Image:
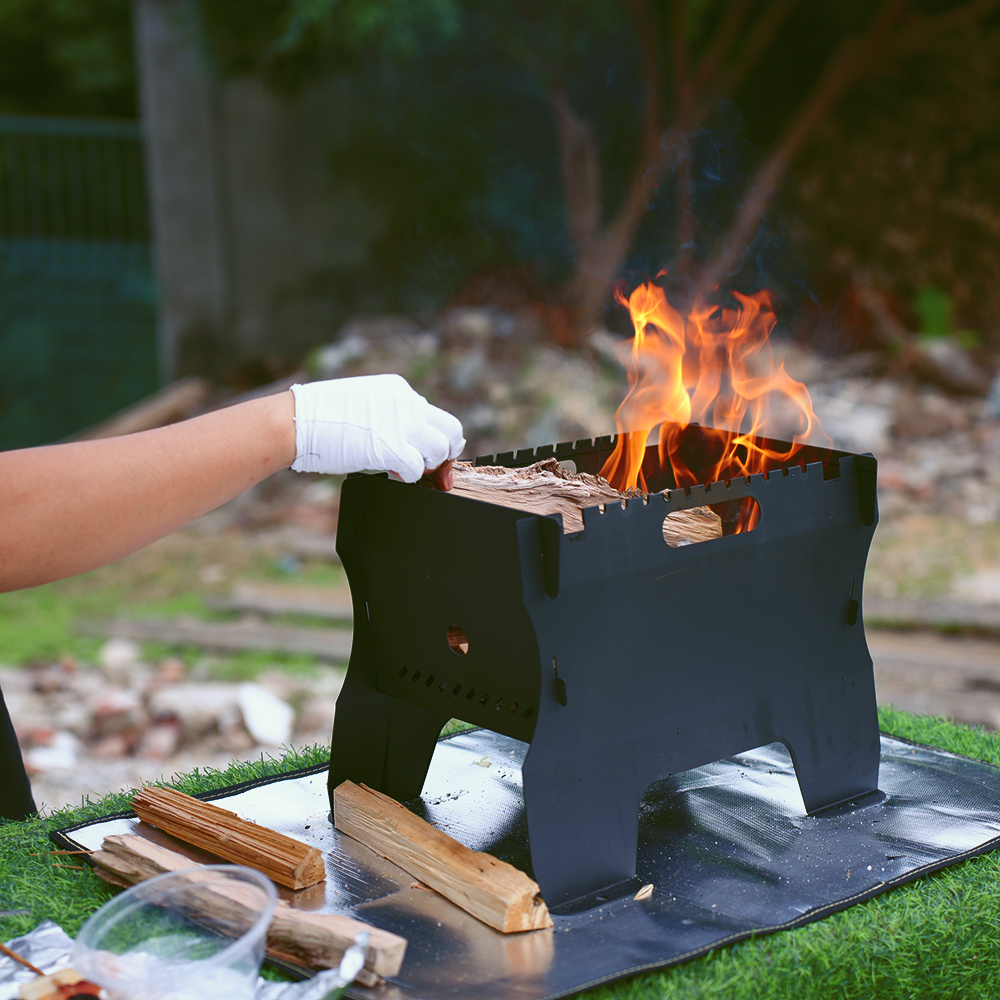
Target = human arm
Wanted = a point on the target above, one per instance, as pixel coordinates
(68, 508)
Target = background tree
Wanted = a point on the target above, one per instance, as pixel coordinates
(580, 140)
(66, 57)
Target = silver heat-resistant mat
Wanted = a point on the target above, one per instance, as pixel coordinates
(727, 847)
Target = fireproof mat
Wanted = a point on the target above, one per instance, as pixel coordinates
(727, 848)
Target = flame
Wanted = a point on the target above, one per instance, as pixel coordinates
(715, 367)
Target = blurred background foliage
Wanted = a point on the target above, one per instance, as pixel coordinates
(66, 57)
(454, 128)
(904, 183)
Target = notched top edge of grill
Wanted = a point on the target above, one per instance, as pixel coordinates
(589, 456)
(595, 451)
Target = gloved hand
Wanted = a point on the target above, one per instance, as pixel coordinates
(371, 422)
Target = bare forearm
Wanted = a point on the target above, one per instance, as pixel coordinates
(68, 508)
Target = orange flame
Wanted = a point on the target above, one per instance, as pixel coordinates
(714, 367)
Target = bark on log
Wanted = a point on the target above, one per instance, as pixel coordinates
(489, 889)
(314, 940)
(546, 488)
(282, 859)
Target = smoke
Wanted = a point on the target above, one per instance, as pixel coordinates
(722, 160)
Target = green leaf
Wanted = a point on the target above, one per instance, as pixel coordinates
(934, 308)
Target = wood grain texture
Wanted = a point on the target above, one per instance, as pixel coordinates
(547, 488)
(685, 527)
(542, 488)
(489, 889)
(315, 940)
(282, 859)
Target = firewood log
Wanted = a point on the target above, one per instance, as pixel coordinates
(282, 859)
(685, 527)
(547, 488)
(491, 890)
(316, 940)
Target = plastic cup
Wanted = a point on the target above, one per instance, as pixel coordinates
(189, 934)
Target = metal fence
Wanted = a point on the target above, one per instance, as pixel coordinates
(77, 302)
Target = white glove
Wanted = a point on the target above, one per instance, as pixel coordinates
(371, 422)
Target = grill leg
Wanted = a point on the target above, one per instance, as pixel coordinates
(842, 771)
(383, 743)
(583, 826)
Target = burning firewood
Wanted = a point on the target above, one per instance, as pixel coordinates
(685, 527)
(547, 488)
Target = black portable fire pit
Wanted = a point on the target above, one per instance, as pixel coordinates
(620, 659)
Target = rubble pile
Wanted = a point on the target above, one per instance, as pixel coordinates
(122, 721)
(497, 370)
(512, 388)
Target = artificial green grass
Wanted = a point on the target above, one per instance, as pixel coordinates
(61, 887)
(938, 937)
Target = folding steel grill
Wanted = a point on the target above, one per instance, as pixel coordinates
(618, 658)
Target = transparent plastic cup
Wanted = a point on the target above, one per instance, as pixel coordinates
(190, 934)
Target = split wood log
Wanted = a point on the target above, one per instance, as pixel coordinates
(314, 940)
(547, 488)
(685, 527)
(282, 859)
(491, 890)
(542, 488)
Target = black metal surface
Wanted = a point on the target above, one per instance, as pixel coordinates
(727, 847)
(620, 659)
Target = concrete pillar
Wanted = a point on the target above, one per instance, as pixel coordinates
(254, 241)
(179, 101)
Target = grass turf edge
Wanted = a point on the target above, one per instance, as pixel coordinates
(935, 937)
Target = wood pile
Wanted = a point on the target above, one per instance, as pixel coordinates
(548, 488)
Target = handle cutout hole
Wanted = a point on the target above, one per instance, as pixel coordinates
(702, 524)
(458, 641)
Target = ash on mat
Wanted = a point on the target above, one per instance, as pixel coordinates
(728, 848)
